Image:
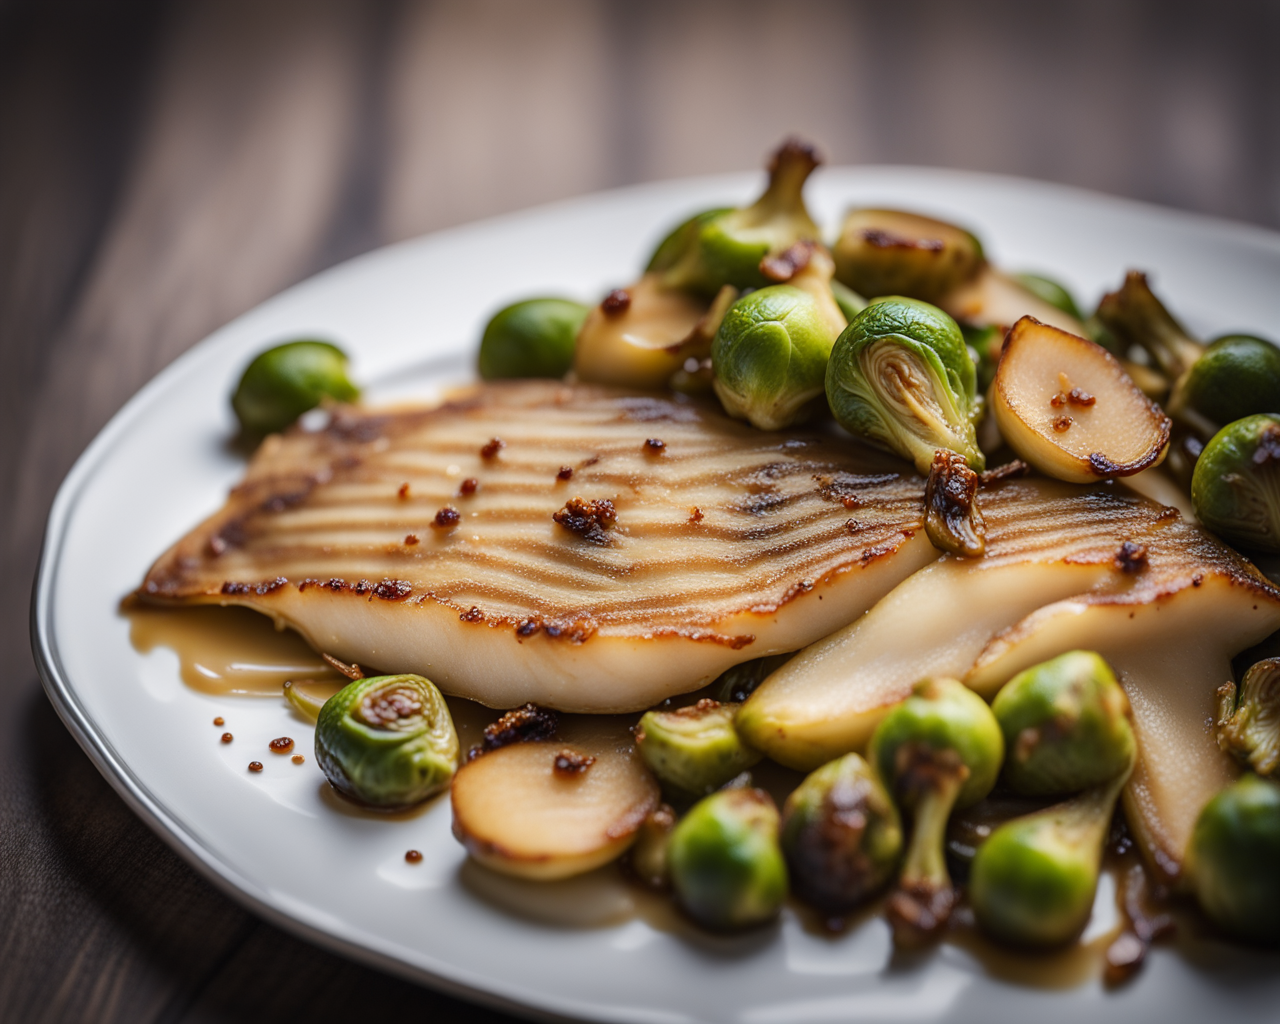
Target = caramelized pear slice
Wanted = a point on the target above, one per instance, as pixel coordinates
(551, 809)
(640, 335)
(1066, 406)
(993, 299)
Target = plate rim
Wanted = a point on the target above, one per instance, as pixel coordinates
(490, 991)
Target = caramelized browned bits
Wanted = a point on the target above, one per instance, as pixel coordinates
(490, 450)
(227, 737)
(589, 519)
(255, 766)
(219, 721)
(524, 723)
(565, 473)
(281, 745)
(616, 302)
(446, 518)
(410, 539)
(570, 764)
(469, 486)
(695, 514)
(297, 759)
(403, 492)
(413, 856)
(655, 446)
(1062, 424)
(1131, 557)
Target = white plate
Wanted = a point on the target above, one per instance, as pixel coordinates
(411, 315)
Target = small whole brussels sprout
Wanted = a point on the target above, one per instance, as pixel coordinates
(285, 381)
(841, 835)
(901, 377)
(1235, 488)
(770, 354)
(891, 252)
(1237, 376)
(693, 750)
(1233, 856)
(939, 749)
(684, 234)
(1249, 721)
(724, 861)
(532, 338)
(1032, 883)
(387, 741)
(726, 247)
(1066, 726)
(1048, 290)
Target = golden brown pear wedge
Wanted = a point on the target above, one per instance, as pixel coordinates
(993, 299)
(640, 335)
(1066, 406)
(517, 813)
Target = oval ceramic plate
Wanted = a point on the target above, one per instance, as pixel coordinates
(410, 315)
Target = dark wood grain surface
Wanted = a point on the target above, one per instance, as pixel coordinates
(166, 166)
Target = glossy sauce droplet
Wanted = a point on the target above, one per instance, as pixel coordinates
(298, 759)
(413, 856)
(219, 721)
(227, 737)
(255, 766)
(281, 745)
(469, 485)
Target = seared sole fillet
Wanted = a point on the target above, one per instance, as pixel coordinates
(581, 547)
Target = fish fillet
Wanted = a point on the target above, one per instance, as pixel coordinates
(585, 548)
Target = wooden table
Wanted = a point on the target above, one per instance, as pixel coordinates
(164, 167)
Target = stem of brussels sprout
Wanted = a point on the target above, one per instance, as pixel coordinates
(921, 905)
(1136, 317)
(1249, 720)
(789, 168)
(953, 520)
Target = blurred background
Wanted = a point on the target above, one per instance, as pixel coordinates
(164, 166)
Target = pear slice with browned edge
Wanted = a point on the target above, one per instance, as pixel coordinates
(555, 808)
(1066, 406)
(994, 299)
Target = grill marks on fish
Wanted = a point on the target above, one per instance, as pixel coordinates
(333, 505)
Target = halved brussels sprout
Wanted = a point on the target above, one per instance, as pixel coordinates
(1134, 316)
(387, 741)
(1034, 880)
(1249, 721)
(770, 353)
(841, 835)
(891, 252)
(1238, 376)
(1236, 485)
(1066, 726)
(1067, 407)
(727, 247)
(725, 864)
(1233, 856)
(694, 750)
(285, 381)
(939, 749)
(533, 338)
(901, 377)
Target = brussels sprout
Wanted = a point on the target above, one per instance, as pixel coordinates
(939, 749)
(725, 864)
(285, 381)
(1134, 316)
(648, 855)
(1249, 721)
(1232, 859)
(671, 248)
(952, 518)
(1237, 376)
(1048, 290)
(693, 750)
(770, 353)
(1065, 724)
(726, 247)
(1033, 881)
(984, 344)
(533, 338)
(890, 252)
(1236, 484)
(387, 741)
(841, 835)
(901, 377)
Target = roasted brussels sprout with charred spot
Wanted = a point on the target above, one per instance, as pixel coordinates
(1249, 721)
(1067, 407)
(693, 750)
(1033, 881)
(387, 741)
(890, 252)
(1236, 485)
(901, 377)
(952, 518)
(1048, 290)
(727, 247)
(1134, 316)
(285, 381)
(1237, 376)
(533, 338)
(683, 235)
(939, 749)
(770, 353)
(841, 835)
(1066, 726)
(648, 855)
(726, 867)
(1233, 856)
